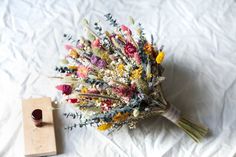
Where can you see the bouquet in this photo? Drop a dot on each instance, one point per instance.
(114, 79)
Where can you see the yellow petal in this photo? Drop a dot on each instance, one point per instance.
(73, 67)
(104, 126)
(160, 57)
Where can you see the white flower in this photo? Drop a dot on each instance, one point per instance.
(136, 112)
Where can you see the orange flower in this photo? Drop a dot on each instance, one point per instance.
(119, 117)
(148, 48)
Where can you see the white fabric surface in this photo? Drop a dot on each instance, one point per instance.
(200, 43)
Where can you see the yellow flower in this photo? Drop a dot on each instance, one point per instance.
(139, 31)
(73, 67)
(149, 75)
(160, 57)
(104, 126)
(84, 90)
(119, 117)
(105, 56)
(148, 48)
(82, 102)
(120, 69)
(73, 53)
(136, 74)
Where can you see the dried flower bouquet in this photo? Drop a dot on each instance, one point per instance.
(114, 78)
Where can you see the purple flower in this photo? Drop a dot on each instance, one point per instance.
(101, 63)
(94, 59)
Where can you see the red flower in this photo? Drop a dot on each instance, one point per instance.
(130, 49)
(106, 105)
(66, 89)
(72, 100)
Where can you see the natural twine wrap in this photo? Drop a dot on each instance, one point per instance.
(172, 113)
(194, 130)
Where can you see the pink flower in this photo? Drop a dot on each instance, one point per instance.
(66, 89)
(96, 43)
(82, 71)
(125, 92)
(126, 29)
(130, 49)
(93, 91)
(137, 58)
(68, 47)
(80, 46)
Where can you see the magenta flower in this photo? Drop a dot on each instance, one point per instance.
(130, 49)
(66, 89)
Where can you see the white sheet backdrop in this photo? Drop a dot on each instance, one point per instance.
(200, 43)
